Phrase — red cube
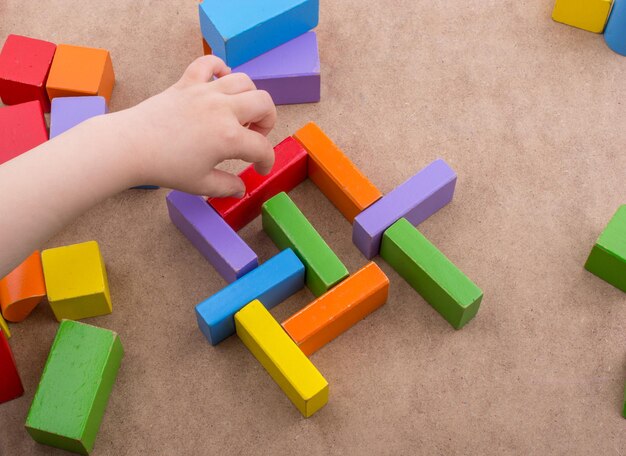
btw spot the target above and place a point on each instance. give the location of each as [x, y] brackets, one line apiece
[22, 127]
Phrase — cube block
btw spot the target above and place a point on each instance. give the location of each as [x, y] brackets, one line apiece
[67, 112]
[22, 289]
[615, 31]
[22, 127]
[590, 15]
[10, 382]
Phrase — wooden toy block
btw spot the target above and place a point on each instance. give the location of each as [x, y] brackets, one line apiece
[75, 387]
[239, 30]
[67, 112]
[607, 259]
[282, 359]
[290, 73]
[590, 15]
[335, 175]
[288, 172]
[289, 228]
[206, 49]
[22, 289]
[624, 409]
[416, 199]
[10, 382]
[22, 127]
[4, 327]
[24, 66]
[339, 309]
[76, 281]
[211, 235]
[615, 32]
[431, 273]
[78, 71]
[272, 283]
[146, 187]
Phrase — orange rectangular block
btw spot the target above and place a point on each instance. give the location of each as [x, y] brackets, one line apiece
[338, 309]
[22, 289]
[335, 175]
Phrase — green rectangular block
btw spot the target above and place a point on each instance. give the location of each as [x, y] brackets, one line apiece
[288, 227]
[431, 273]
[607, 259]
[75, 386]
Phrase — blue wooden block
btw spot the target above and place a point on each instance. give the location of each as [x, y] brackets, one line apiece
[271, 283]
[239, 30]
[615, 31]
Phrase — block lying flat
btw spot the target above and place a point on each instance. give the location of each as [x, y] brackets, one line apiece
[431, 273]
[67, 112]
[22, 127]
[10, 382]
[416, 199]
[590, 15]
[22, 289]
[281, 358]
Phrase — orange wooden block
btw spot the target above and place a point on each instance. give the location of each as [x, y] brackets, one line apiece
[77, 71]
[335, 175]
[206, 48]
[22, 289]
[338, 309]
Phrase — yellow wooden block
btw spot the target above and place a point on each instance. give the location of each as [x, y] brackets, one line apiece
[588, 15]
[4, 327]
[281, 357]
[76, 281]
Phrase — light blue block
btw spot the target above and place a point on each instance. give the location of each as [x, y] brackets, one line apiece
[239, 30]
[615, 31]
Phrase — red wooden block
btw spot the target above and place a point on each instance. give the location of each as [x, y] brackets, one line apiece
[24, 66]
[288, 172]
[22, 127]
[10, 383]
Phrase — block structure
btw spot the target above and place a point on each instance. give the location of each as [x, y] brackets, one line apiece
[75, 387]
[615, 32]
[22, 127]
[10, 382]
[590, 15]
[67, 112]
[22, 289]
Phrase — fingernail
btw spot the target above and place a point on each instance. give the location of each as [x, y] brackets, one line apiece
[240, 195]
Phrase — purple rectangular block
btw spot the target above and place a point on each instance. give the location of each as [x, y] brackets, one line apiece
[290, 72]
[416, 199]
[67, 112]
[211, 235]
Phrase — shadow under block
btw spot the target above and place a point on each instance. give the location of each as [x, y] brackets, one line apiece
[10, 382]
[290, 169]
[416, 199]
[211, 235]
[272, 282]
[67, 112]
[607, 259]
[4, 327]
[22, 289]
[78, 71]
[24, 66]
[76, 281]
[75, 387]
[590, 15]
[335, 175]
[240, 30]
[290, 73]
[339, 309]
[615, 32]
[22, 127]
[431, 273]
[282, 359]
[289, 228]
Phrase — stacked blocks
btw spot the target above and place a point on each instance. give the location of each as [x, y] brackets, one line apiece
[590, 15]
[22, 289]
[615, 32]
[22, 127]
[10, 382]
[67, 112]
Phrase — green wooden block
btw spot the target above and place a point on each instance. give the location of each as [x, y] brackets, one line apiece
[288, 227]
[607, 259]
[431, 273]
[75, 386]
[624, 411]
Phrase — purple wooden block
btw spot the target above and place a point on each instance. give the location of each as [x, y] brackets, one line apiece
[416, 199]
[290, 72]
[211, 235]
[67, 112]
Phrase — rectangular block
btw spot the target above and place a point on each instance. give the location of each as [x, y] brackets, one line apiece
[22, 289]
[272, 282]
[289, 228]
[339, 309]
[67, 112]
[10, 382]
[75, 387]
[288, 172]
[335, 175]
[22, 127]
[431, 273]
[590, 15]
[416, 199]
[281, 358]
[211, 235]
[239, 30]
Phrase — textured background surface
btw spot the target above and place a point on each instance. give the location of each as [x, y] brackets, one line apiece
[530, 115]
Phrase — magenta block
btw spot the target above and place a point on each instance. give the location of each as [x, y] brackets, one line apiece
[67, 112]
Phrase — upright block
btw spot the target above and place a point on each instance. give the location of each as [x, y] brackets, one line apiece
[76, 281]
[22, 127]
[590, 15]
[416, 199]
[4, 327]
[24, 66]
[615, 32]
[10, 382]
[75, 387]
[67, 112]
[288, 172]
[22, 289]
[339, 309]
[289, 228]
[431, 273]
[211, 235]
[78, 71]
[607, 259]
[281, 358]
[335, 175]
[240, 30]
[272, 283]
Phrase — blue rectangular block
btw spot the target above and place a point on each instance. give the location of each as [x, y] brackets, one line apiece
[271, 283]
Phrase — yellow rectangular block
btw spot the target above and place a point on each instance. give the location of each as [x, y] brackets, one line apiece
[590, 15]
[5, 327]
[76, 281]
[281, 357]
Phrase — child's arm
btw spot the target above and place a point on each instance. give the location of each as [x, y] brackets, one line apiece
[173, 140]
